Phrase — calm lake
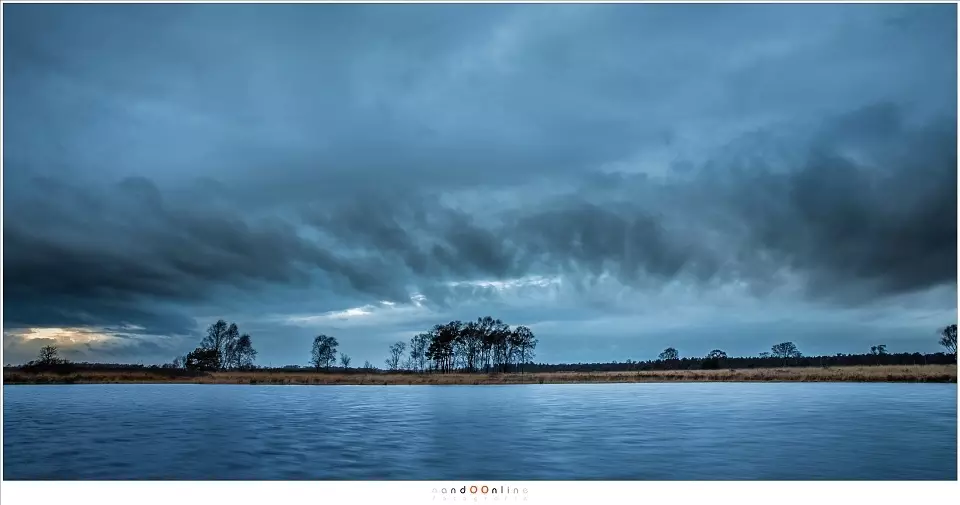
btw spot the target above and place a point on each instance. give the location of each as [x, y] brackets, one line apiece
[529, 432]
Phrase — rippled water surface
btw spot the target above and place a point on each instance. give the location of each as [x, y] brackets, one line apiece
[529, 432]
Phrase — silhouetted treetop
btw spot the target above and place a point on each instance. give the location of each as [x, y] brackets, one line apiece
[668, 354]
[948, 339]
[323, 354]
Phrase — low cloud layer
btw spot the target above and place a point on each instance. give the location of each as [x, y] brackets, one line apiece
[464, 160]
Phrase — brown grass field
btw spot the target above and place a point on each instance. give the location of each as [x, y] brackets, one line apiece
[882, 373]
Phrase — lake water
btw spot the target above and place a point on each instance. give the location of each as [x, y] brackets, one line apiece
[529, 432]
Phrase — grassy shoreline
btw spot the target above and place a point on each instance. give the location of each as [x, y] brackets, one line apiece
[880, 373]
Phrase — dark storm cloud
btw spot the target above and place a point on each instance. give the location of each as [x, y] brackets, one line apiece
[430, 239]
[89, 255]
[849, 228]
[866, 210]
[880, 225]
[164, 163]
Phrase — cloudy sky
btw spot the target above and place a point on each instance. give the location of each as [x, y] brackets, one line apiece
[620, 178]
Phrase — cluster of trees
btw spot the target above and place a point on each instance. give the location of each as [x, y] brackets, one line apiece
[487, 344]
[323, 354]
[222, 348]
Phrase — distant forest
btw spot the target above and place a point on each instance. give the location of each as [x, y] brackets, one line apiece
[487, 345]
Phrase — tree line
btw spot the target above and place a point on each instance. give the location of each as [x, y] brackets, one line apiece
[746, 362]
[489, 345]
[782, 354]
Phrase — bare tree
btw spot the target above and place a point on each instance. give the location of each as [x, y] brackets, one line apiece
[344, 360]
[523, 343]
[948, 339]
[396, 351]
[219, 336]
[483, 330]
[441, 349]
[227, 358]
[418, 351]
[500, 338]
[471, 339]
[240, 352]
[49, 355]
[324, 352]
[785, 350]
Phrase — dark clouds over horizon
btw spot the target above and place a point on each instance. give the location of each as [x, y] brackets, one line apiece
[619, 177]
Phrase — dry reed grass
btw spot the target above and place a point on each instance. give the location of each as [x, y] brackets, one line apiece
[882, 373]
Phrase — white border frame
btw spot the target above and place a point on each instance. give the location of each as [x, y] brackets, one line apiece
[403, 492]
